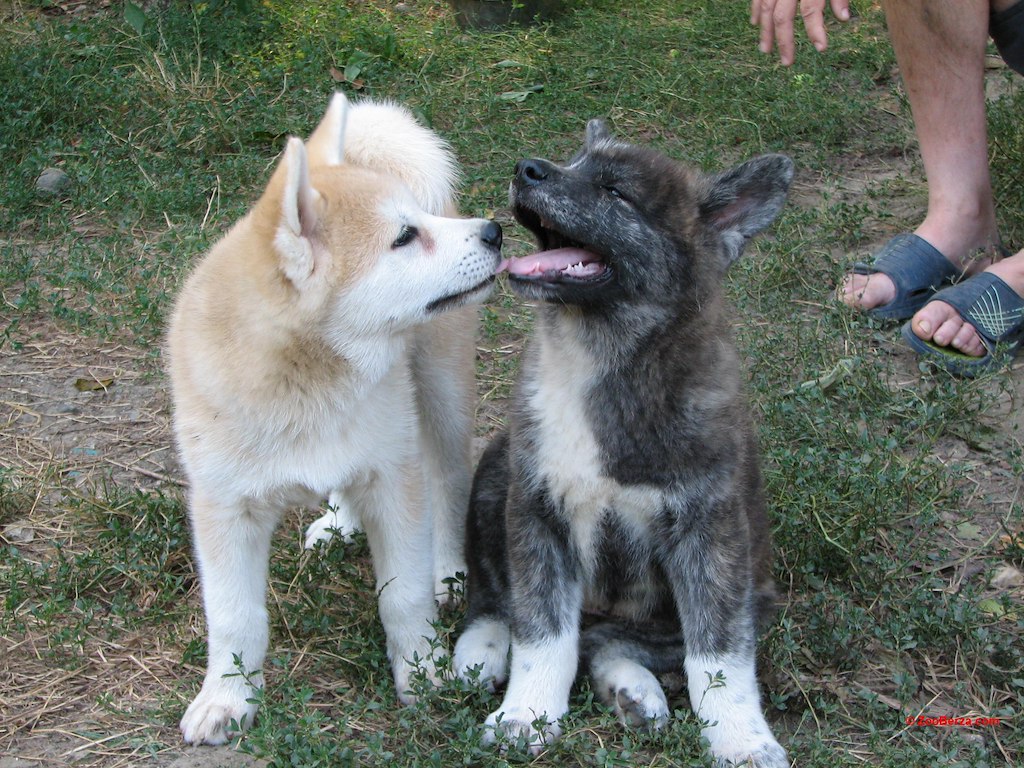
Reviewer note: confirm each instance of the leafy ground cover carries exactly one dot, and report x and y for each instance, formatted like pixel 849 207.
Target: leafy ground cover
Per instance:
pixel 895 492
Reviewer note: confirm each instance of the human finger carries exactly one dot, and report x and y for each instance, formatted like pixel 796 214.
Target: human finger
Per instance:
pixel 781 20
pixel 813 13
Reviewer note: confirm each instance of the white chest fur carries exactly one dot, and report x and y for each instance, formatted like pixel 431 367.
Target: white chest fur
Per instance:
pixel 568 454
pixel 300 450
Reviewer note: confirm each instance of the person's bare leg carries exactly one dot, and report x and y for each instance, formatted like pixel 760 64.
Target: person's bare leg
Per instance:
pixel 940 48
pixel 938 321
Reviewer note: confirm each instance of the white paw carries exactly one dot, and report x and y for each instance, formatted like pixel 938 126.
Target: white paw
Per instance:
pixel 765 755
pixel 483 647
pixel 209 716
pixel 338 520
pixel 517 726
pixel 406 673
pixel 730 708
pixel 741 737
pixel 634 694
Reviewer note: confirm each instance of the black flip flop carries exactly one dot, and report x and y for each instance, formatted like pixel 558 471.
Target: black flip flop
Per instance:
pixel 916 268
pixel 994 310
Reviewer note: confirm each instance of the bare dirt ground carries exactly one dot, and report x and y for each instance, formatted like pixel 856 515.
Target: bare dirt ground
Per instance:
pixel 86 411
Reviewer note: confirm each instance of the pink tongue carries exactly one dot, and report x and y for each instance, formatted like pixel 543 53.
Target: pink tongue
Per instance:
pixel 557 260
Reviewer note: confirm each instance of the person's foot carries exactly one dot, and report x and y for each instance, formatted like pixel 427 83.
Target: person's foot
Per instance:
pixel 939 323
pixel 877 290
pixel 867 291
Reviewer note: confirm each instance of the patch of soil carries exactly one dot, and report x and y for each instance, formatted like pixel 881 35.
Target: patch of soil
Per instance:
pixel 87 412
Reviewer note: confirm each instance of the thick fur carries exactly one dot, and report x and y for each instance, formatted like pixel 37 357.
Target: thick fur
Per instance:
pixel 627 488
pixel 325 347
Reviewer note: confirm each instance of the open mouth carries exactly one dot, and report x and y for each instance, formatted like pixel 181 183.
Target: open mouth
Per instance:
pixel 560 258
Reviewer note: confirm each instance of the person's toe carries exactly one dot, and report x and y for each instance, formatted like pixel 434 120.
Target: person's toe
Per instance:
pixel 867 291
pixel 929 319
pixel 946 333
pixel 939 323
pixel 968 341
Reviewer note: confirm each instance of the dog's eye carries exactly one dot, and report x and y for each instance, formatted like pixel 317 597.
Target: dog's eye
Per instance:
pixel 614 191
pixel 406 236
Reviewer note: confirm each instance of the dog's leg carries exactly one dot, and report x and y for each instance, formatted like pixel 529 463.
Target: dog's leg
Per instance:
pixel 340 519
pixel 481 652
pixel 442 367
pixel 232 546
pixel 541 674
pixel 546 600
pixel 398 532
pixel 712 581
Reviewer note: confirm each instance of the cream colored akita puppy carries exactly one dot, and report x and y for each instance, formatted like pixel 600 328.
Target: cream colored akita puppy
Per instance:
pixel 320 348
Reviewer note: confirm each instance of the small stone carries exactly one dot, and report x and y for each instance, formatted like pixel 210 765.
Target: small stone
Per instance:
pixel 1007 577
pixel 53 181
pixel 403 8
pixel 19 533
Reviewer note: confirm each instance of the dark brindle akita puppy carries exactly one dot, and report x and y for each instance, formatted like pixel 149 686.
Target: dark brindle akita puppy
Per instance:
pixel 626 490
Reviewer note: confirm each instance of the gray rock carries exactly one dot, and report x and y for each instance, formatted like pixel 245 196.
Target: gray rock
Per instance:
pixel 53 181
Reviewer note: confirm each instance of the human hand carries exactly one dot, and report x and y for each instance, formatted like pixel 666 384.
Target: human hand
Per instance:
pixel 776 19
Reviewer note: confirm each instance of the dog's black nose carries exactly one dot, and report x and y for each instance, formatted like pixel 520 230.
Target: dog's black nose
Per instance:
pixel 531 171
pixel 491 234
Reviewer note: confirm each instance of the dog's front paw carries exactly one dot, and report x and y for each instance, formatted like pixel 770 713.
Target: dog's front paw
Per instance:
pixel 518 728
pixel 411 679
pixel 218 709
pixel 737 738
pixel 482 653
pixel 763 756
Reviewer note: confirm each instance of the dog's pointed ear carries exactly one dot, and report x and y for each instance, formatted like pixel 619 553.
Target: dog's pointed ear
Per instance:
pixel 297 216
pixel 744 200
pixel 597 130
pixel 326 145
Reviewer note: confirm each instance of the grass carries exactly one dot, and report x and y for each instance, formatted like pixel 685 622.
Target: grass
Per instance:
pixel 895 494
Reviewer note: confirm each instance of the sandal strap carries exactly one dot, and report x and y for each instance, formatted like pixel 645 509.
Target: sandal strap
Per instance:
pixel 926 266
pixel 916 268
pixel 989 304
